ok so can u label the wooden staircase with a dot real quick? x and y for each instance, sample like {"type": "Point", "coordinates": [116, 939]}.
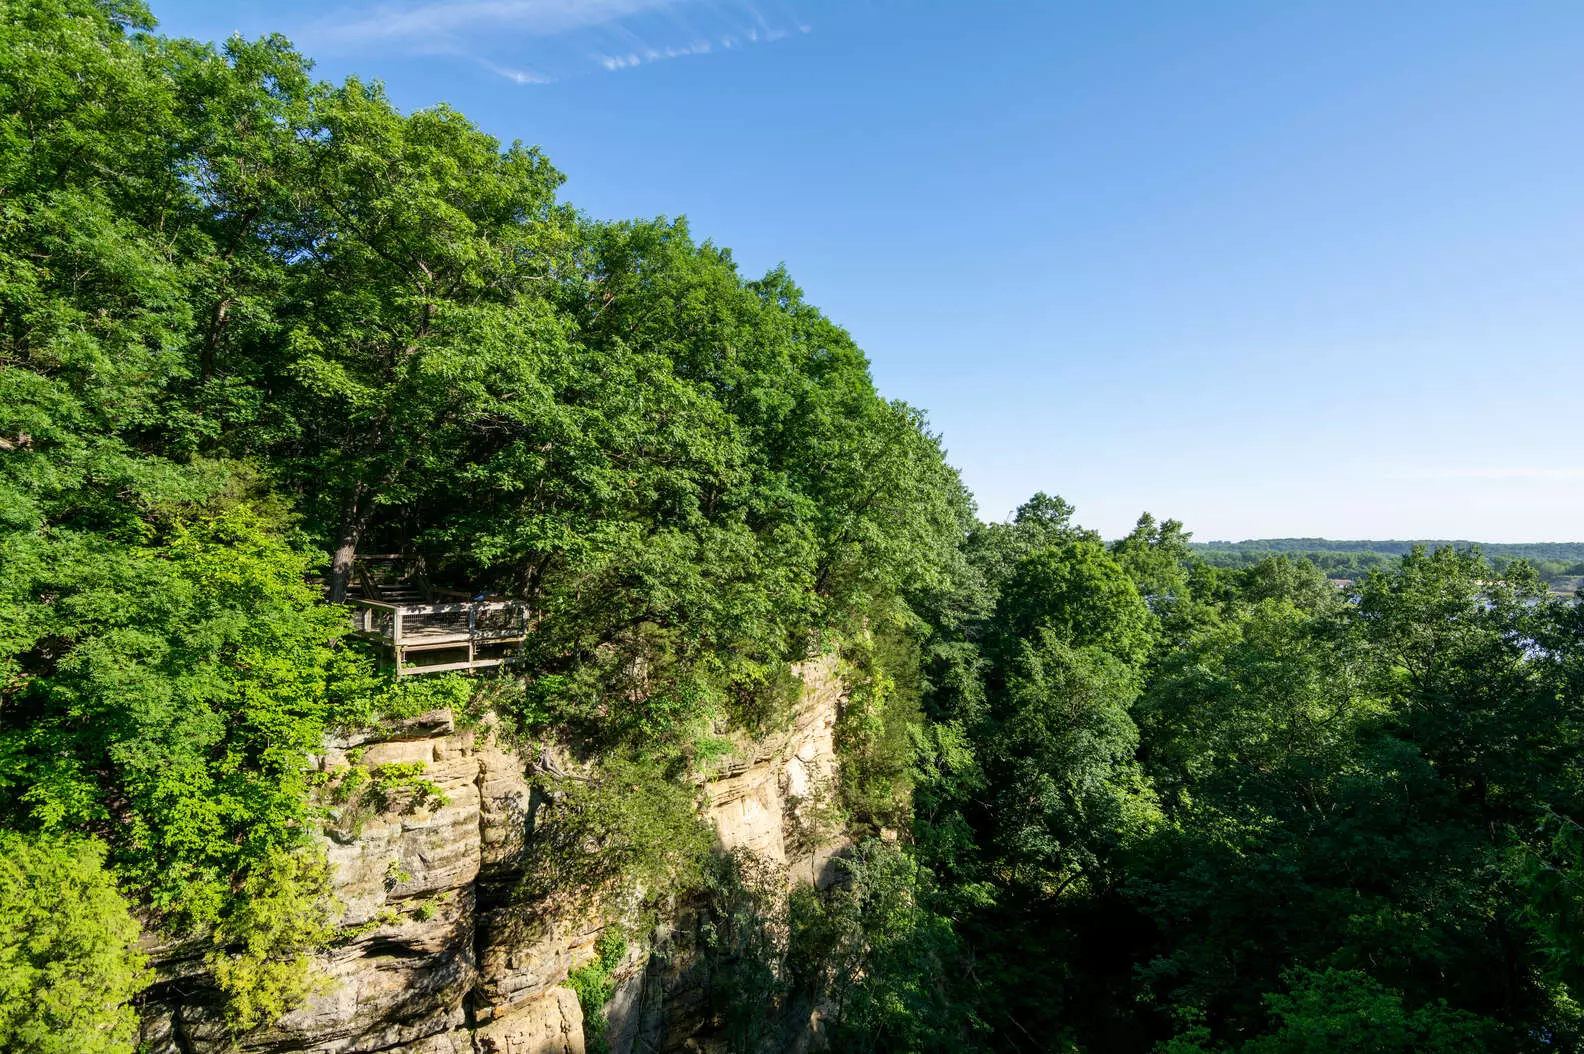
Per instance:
{"type": "Point", "coordinates": [389, 580]}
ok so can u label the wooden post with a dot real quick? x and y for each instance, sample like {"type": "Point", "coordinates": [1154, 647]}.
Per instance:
{"type": "Point", "coordinates": [396, 641]}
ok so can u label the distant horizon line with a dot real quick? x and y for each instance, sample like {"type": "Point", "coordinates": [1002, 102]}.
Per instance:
{"type": "Point", "coordinates": [1380, 541]}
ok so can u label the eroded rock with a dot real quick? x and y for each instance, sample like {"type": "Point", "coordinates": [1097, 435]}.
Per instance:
{"type": "Point", "coordinates": [551, 1024]}
{"type": "Point", "coordinates": [436, 958]}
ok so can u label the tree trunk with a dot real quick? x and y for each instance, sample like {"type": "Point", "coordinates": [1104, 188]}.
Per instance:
{"type": "Point", "coordinates": [354, 518]}
{"type": "Point", "coordinates": [206, 358]}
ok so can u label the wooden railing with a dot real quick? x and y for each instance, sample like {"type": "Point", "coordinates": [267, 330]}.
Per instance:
{"type": "Point", "coordinates": [464, 625]}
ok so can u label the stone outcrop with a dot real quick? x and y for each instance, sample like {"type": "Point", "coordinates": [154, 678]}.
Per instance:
{"type": "Point", "coordinates": [434, 960]}
{"type": "Point", "coordinates": [768, 801]}
{"type": "Point", "coordinates": [549, 1025]}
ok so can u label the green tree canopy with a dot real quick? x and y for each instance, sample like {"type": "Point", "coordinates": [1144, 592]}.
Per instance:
{"type": "Point", "coordinates": [1081, 595]}
{"type": "Point", "coordinates": [69, 961]}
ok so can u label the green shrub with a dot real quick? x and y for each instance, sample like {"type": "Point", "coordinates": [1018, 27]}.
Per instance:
{"type": "Point", "coordinates": [876, 948]}
{"type": "Point", "coordinates": [594, 984]}
{"type": "Point", "coordinates": [874, 732]}
{"type": "Point", "coordinates": [207, 670]}
{"type": "Point", "coordinates": [262, 959]}
{"type": "Point", "coordinates": [69, 964]}
{"type": "Point", "coordinates": [631, 826]}
{"type": "Point", "coordinates": [741, 937]}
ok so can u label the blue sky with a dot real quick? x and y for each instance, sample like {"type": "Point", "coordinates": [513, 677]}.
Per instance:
{"type": "Point", "coordinates": [1272, 269]}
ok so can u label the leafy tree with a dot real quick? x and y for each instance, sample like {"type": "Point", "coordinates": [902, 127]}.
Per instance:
{"type": "Point", "coordinates": [878, 953]}
{"type": "Point", "coordinates": [164, 697]}
{"type": "Point", "coordinates": [874, 731]}
{"type": "Point", "coordinates": [1041, 522]}
{"type": "Point", "coordinates": [206, 671]}
{"type": "Point", "coordinates": [1068, 792]}
{"type": "Point", "coordinates": [628, 828]}
{"type": "Point", "coordinates": [1082, 596]}
{"type": "Point", "coordinates": [1347, 1010]}
{"type": "Point", "coordinates": [1264, 696]}
{"type": "Point", "coordinates": [415, 320]}
{"type": "Point", "coordinates": [1550, 881]}
{"type": "Point", "coordinates": [1155, 555]}
{"type": "Point", "coordinates": [69, 961]}
{"type": "Point", "coordinates": [1283, 578]}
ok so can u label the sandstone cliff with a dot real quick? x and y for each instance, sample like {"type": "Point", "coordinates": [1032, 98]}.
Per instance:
{"type": "Point", "coordinates": [437, 962]}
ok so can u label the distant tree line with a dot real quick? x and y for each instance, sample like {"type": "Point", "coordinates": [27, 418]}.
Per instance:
{"type": "Point", "coordinates": [1553, 561]}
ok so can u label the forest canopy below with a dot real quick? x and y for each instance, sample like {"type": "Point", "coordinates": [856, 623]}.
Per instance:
{"type": "Point", "coordinates": [254, 324]}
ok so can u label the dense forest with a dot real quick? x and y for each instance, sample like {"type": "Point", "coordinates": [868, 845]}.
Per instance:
{"type": "Point", "coordinates": [1103, 795]}
{"type": "Point", "coordinates": [1560, 563]}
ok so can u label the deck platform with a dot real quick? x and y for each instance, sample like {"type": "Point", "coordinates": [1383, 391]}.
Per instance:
{"type": "Point", "coordinates": [424, 629]}
{"type": "Point", "coordinates": [436, 638]}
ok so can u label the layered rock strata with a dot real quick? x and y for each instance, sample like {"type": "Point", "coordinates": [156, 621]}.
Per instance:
{"type": "Point", "coordinates": [434, 959]}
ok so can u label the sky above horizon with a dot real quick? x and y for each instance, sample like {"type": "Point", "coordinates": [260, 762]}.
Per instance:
{"type": "Point", "coordinates": [1273, 270]}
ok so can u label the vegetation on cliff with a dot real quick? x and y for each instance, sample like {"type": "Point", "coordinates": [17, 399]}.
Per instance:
{"type": "Point", "coordinates": [252, 324]}
{"type": "Point", "coordinates": [1106, 796]}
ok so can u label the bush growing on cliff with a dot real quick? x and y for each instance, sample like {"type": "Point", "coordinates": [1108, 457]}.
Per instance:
{"type": "Point", "coordinates": [263, 942]}
{"type": "Point", "coordinates": [166, 696]}
{"type": "Point", "coordinates": [628, 828]}
{"type": "Point", "coordinates": [594, 984]}
{"type": "Point", "coordinates": [876, 723]}
{"type": "Point", "coordinates": [206, 671]}
{"type": "Point", "coordinates": [741, 939]}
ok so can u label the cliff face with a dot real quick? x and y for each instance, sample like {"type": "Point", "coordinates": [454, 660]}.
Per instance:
{"type": "Point", "coordinates": [435, 961]}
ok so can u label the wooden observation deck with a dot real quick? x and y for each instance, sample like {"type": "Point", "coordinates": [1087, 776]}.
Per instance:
{"type": "Point", "coordinates": [422, 628]}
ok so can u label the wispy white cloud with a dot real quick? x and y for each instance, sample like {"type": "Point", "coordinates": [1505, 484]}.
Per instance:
{"type": "Point", "coordinates": [638, 58]}
{"type": "Point", "coordinates": [532, 41]}
{"type": "Point", "coordinates": [1541, 474]}
{"type": "Point", "coordinates": [430, 21]}
{"type": "Point", "coordinates": [517, 76]}
{"type": "Point", "coordinates": [756, 35]}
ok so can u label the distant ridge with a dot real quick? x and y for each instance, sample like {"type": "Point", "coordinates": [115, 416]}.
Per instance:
{"type": "Point", "coordinates": [1395, 547]}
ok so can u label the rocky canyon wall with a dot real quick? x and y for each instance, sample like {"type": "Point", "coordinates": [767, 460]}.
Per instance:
{"type": "Point", "coordinates": [435, 959]}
